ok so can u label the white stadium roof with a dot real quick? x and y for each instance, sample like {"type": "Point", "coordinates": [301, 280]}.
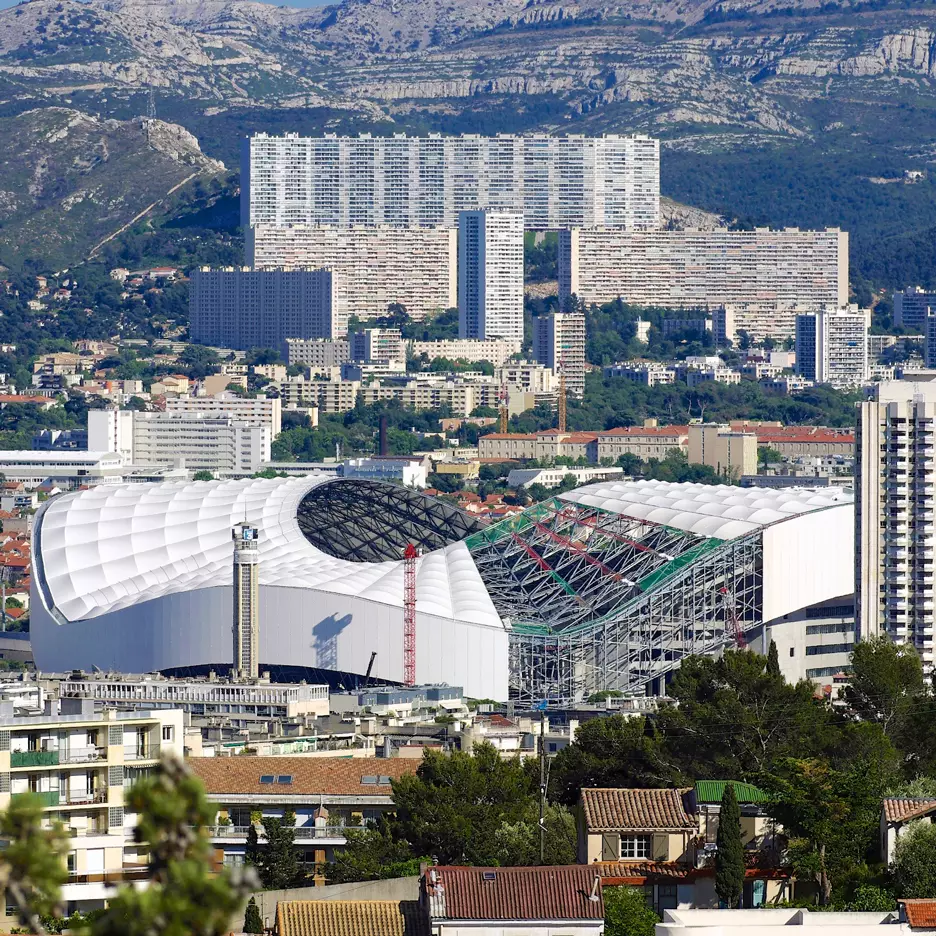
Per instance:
{"type": "Point", "coordinates": [721, 511]}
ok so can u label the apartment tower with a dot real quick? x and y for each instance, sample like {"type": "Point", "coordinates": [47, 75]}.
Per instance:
{"type": "Point", "coordinates": [246, 602]}
{"type": "Point", "coordinates": [832, 346]}
{"type": "Point", "coordinates": [490, 275]}
{"type": "Point", "coordinates": [895, 480]}
{"type": "Point", "coordinates": [559, 342]}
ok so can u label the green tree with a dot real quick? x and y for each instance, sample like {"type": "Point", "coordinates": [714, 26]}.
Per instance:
{"type": "Point", "coordinates": [455, 803]}
{"type": "Point", "coordinates": [773, 661]}
{"type": "Point", "coordinates": [184, 896]}
{"type": "Point", "coordinates": [252, 852]}
{"type": "Point", "coordinates": [32, 866]}
{"type": "Point", "coordinates": [914, 864]}
{"type": "Point", "coordinates": [729, 857]}
{"type": "Point", "coordinates": [627, 913]}
{"type": "Point", "coordinates": [518, 843]}
{"type": "Point", "coordinates": [372, 854]}
{"type": "Point", "coordinates": [253, 922]}
{"type": "Point", "coordinates": [768, 456]}
{"type": "Point", "coordinates": [869, 898]}
{"type": "Point", "coordinates": [279, 863]}
{"type": "Point", "coordinates": [203, 476]}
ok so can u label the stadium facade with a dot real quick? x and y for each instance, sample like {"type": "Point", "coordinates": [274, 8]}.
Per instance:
{"type": "Point", "coordinates": [608, 586]}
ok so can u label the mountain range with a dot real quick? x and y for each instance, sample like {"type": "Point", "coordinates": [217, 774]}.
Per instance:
{"type": "Point", "coordinates": [853, 80]}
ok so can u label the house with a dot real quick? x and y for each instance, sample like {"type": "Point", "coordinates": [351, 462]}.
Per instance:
{"type": "Point", "coordinates": [663, 841]}
{"type": "Point", "coordinates": [896, 815]}
{"type": "Point", "coordinates": [327, 794]}
{"type": "Point", "coordinates": [544, 901]}
{"type": "Point", "coordinates": [357, 917]}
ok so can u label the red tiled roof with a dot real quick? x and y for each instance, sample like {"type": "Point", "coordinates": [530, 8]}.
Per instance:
{"type": "Point", "coordinates": [657, 431]}
{"type": "Point", "coordinates": [636, 810]}
{"type": "Point", "coordinates": [921, 913]}
{"type": "Point", "coordinates": [639, 871]}
{"type": "Point", "coordinates": [329, 776]}
{"type": "Point", "coordinates": [549, 893]}
{"type": "Point", "coordinates": [350, 918]}
{"type": "Point", "coordinates": [23, 398]}
{"type": "Point", "coordinates": [902, 809]}
{"type": "Point", "coordinates": [530, 437]}
{"type": "Point", "coordinates": [15, 613]}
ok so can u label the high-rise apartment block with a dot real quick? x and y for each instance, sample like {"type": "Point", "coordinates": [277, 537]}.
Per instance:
{"type": "Point", "coordinates": [757, 320]}
{"type": "Point", "coordinates": [559, 344]}
{"type": "Point", "coordinates": [255, 411]}
{"type": "Point", "coordinates": [832, 346]}
{"type": "Point", "coordinates": [553, 181]}
{"type": "Point", "coordinates": [372, 266]}
{"type": "Point", "coordinates": [198, 440]}
{"type": "Point", "coordinates": [377, 344]}
{"type": "Point", "coordinates": [912, 306]}
{"type": "Point", "coordinates": [244, 308]}
{"type": "Point", "coordinates": [490, 275]}
{"type": "Point", "coordinates": [316, 352]}
{"type": "Point", "coordinates": [704, 269]}
{"type": "Point", "coordinates": [246, 625]}
{"type": "Point", "coordinates": [895, 531]}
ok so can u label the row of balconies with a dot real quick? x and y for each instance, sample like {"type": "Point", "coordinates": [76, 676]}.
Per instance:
{"type": "Point", "coordinates": [83, 755]}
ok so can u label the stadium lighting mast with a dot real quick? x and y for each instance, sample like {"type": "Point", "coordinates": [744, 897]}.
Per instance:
{"type": "Point", "coordinates": [246, 629]}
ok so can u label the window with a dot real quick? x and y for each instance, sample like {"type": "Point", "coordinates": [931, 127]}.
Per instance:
{"type": "Point", "coordinates": [167, 732]}
{"type": "Point", "coordinates": [829, 648]}
{"type": "Point", "coordinates": [635, 846]}
{"type": "Point", "coordinates": [267, 778]}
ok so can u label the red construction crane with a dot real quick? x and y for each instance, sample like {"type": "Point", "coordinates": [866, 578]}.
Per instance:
{"type": "Point", "coordinates": [731, 619]}
{"type": "Point", "coordinates": [410, 555]}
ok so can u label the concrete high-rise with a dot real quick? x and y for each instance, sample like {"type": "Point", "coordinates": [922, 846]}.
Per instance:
{"type": "Point", "coordinates": [246, 625]}
{"type": "Point", "coordinates": [559, 342]}
{"type": "Point", "coordinates": [244, 308]}
{"type": "Point", "coordinates": [912, 306]}
{"type": "Point", "coordinates": [895, 532]}
{"type": "Point", "coordinates": [832, 346]}
{"type": "Point", "coordinates": [553, 181]}
{"type": "Point", "coordinates": [490, 275]}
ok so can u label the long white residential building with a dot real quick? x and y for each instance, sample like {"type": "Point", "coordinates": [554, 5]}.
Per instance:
{"type": "Point", "coordinates": [242, 308]}
{"type": "Point", "coordinates": [895, 525]}
{"type": "Point", "coordinates": [65, 468]}
{"type": "Point", "coordinates": [757, 320]}
{"type": "Point", "coordinates": [553, 181]}
{"type": "Point", "coordinates": [496, 351]}
{"type": "Point", "coordinates": [559, 344]}
{"type": "Point", "coordinates": [255, 411]}
{"type": "Point", "coordinates": [198, 440]}
{"type": "Point", "coordinates": [832, 346]}
{"type": "Point", "coordinates": [490, 275]}
{"type": "Point", "coordinates": [373, 267]}
{"type": "Point", "coordinates": [704, 269]}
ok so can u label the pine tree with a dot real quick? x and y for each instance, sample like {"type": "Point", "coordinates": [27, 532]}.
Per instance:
{"type": "Point", "coordinates": [279, 864]}
{"type": "Point", "coordinates": [252, 853]}
{"type": "Point", "coordinates": [729, 857]}
{"type": "Point", "coordinates": [773, 661]}
{"type": "Point", "coordinates": [252, 920]}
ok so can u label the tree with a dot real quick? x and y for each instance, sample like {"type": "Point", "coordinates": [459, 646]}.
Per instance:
{"type": "Point", "coordinates": [203, 476]}
{"type": "Point", "coordinates": [279, 864]}
{"type": "Point", "coordinates": [33, 867]}
{"type": "Point", "coordinates": [768, 456]}
{"type": "Point", "coordinates": [729, 857]}
{"type": "Point", "coordinates": [773, 661]}
{"type": "Point", "coordinates": [252, 851]}
{"type": "Point", "coordinates": [253, 922]}
{"type": "Point", "coordinates": [914, 865]}
{"type": "Point", "coordinates": [518, 843]}
{"type": "Point", "coordinates": [372, 854]}
{"type": "Point", "coordinates": [184, 897]}
{"type": "Point", "coordinates": [627, 913]}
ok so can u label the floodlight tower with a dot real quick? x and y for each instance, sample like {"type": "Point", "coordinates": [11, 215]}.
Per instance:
{"type": "Point", "coordinates": [246, 629]}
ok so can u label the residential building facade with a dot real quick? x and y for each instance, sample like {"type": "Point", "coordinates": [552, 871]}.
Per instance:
{"type": "Point", "coordinates": [729, 452]}
{"type": "Point", "coordinates": [704, 269]}
{"type": "Point", "coordinates": [490, 275]}
{"type": "Point", "coordinates": [255, 411]}
{"type": "Point", "coordinates": [242, 308]}
{"type": "Point", "coordinates": [912, 306]}
{"type": "Point", "coordinates": [559, 344]}
{"type": "Point", "coordinates": [316, 352]}
{"type": "Point", "coordinates": [553, 181]}
{"type": "Point", "coordinates": [377, 344]}
{"type": "Point", "coordinates": [832, 346]}
{"type": "Point", "coordinates": [498, 352]}
{"type": "Point", "coordinates": [757, 320]}
{"type": "Point", "coordinates": [373, 267]}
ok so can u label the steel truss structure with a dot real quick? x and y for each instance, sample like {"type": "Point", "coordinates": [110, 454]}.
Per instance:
{"type": "Point", "coordinates": [370, 521]}
{"type": "Point", "coordinates": [597, 600]}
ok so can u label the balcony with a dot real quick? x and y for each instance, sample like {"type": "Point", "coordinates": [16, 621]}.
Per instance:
{"type": "Point", "coordinates": [302, 833]}
{"type": "Point", "coordinates": [46, 798]}
{"type": "Point", "coordinates": [82, 755]}
{"type": "Point", "coordinates": [118, 876]}
{"type": "Point", "coordinates": [34, 758]}
{"type": "Point", "coordinates": [141, 752]}
{"type": "Point", "coordinates": [95, 798]}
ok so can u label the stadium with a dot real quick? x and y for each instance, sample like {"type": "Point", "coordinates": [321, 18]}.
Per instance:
{"type": "Point", "coordinates": [607, 586]}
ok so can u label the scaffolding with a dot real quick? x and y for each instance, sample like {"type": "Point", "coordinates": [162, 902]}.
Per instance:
{"type": "Point", "coordinates": [598, 600]}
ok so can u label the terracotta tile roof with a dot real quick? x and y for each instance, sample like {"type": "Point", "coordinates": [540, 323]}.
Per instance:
{"type": "Point", "coordinates": [652, 431]}
{"type": "Point", "coordinates": [529, 437]}
{"type": "Point", "coordinates": [902, 809]}
{"type": "Point", "coordinates": [330, 776]}
{"type": "Point", "coordinates": [637, 810]}
{"type": "Point", "coordinates": [921, 914]}
{"type": "Point", "coordinates": [350, 918]}
{"type": "Point", "coordinates": [550, 893]}
{"type": "Point", "coordinates": [641, 870]}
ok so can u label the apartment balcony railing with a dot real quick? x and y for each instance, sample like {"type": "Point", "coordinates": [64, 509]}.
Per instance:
{"type": "Point", "coordinates": [47, 798]}
{"type": "Point", "coordinates": [96, 797]}
{"type": "Point", "coordinates": [87, 832]}
{"type": "Point", "coordinates": [144, 752]}
{"type": "Point", "coordinates": [301, 832]}
{"type": "Point", "coordinates": [34, 758]}
{"type": "Point", "coordinates": [82, 755]}
{"type": "Point", "coordinates": [118, 876]}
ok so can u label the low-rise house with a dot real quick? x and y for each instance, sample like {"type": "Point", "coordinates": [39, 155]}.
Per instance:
{"type": "Point", "coordinates": [896, 815]}
{"type": "Point", "coordinates": [546, 901]}
{"type": "Point", "coordinates": [664, 841]}
{"type": "Point", "coordinates": [351, 918]}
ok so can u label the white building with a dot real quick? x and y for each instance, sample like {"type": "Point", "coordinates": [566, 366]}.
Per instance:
{"type": "Point", "coordinates": [552, 477]}
{"type": "Point", "coordinates": [650, 374]}
{"type": "Point", "coordinates": [243, 308]}
{"type": "Point", "coordinates": [495, 351]}
{"type": "Point", "coordinates": [490, 275]}
{"type": "Point", "coordinates": [255, 411]}
{"type": "Point", "coordinates": [80, 763]}
{"type": "Point", "coordinates": [912, 306]}
{"type": "Point", "coordinates": [757, 320]}
{"type": "Point", "coordinates": [553, 181]}
{"type": "Point", "coordinates": [377, 344]}
{"type": "Point", "coordinates": [929, 346]}
{"type": "Point", "coordinates": [200, 441]}
{"type": "Point", "coordinates": [832, 346]}
{"type": "Point", "coordinates": [373, 267]}
{"type": "Point", "coordinates": [688, 922]}
{"type": "Point", "coordinates": [65, 468]}
{"type": "Point", "coordinates": [895, 480]}
{"type": "Point", "coordinates": [410, 472]}
{"type": "Point", "coordinates": [704, 269]}
{"type": "Point", "coordinates": [559, 344]}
